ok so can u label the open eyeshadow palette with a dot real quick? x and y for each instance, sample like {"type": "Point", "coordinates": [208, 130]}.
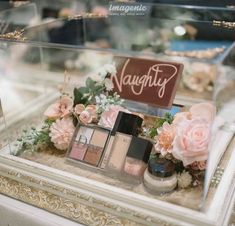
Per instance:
{"type": "Point", "coordinates": [89, 145]}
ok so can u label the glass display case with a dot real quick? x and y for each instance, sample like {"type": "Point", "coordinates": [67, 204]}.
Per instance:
{"type": "Point", "coordinates": [167, 31]}
{"type": "Point", "coordinates": [77, 104]}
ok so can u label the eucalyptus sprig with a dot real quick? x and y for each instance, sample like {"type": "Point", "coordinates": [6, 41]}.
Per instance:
{"type": "Point", "coordinates": [33, 139]}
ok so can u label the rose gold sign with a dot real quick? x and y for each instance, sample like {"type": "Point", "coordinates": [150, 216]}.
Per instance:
{"type": "Point", "coordinates": [147, 81]}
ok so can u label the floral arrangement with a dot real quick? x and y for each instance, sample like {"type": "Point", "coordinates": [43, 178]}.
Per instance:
{"type": "Point", "coordinates": [93, 103]}
{"type": "Point", "coordinates": [183, 139]}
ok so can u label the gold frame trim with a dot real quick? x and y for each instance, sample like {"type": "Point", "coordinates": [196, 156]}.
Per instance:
{"type": "Point", "coordinates": [76, 206]}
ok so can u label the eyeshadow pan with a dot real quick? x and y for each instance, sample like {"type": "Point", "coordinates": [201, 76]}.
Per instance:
{"type": "Point", "coordinates": [85, 131]}
{"type": "Point", "coordinates": [99, 138]}
{"type": "Point", "coordinates": [81, 142]}
{"type": "Point", "coordinates": [96, 147]}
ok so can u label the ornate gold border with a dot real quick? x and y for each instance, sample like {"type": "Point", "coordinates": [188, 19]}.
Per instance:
{"type": "Point", "coordinates": [61, 206]}
{"type": "Point", "coordinates": [78, 207]}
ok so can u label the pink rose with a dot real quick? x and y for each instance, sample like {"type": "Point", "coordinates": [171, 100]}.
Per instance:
{"type": "Point", "coordinates": [86, 114]}
{"type": "Point", "coordinates": [205, 111]}
{"type": "Point", "coordinates": [198, 165]}
{"type": "Point", "coordinates": [79, 108]}
{"type": "Point", "coordinates": [85, 117]}
{"type": "Point", "coordinates": [60, 109]}
{"type": "Point", "coordinates": [182, 116]}
{"type": "Point", "coordinates": [109, 116]}
{"type": "Point", "coordinates": [165, 138]}
{"type": "Point", "coordinates": [61, 133]}
{"type": "Point", "coordinates": [92, 110]}
{"type": "Point", "coordinates": [192, 140]}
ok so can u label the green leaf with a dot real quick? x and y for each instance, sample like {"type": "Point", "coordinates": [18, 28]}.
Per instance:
{"type": "Point", "coordinates": [77, 96]}
{"type": "Point", "coordinates": [152, 132]}
{"type": "Point", "coordinates": [83, 90]}
{"type": "Point", "coordinates": [49, 122]}
{"type": "Point", "coordinates": [98, 89]}
{"type": "Point", "coordinates": [90, 83]}
{"type": "Point", "coordinates": [169, 118]}
{"type": "Point", "coordinates": [80, 98]}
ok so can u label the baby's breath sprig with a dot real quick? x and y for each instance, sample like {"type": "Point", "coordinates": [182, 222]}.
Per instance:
{"type": "Point", "coordinates": [103, 102]}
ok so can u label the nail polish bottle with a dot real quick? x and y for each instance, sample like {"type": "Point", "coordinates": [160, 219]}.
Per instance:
{"type": "Point", "coordinates": [126, 126]}
{"type": "Point", "coordinates": [137, 157]}
{"type": "Point", "coordinates": [160, 176]}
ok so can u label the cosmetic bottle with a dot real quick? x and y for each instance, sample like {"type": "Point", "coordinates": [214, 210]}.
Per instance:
{"type": "Point", "coordinates": [160, 176]}
{"type": "Point", "coordinates": [137, 157]}
{"type": "Point", "coordinates": [126, 126]}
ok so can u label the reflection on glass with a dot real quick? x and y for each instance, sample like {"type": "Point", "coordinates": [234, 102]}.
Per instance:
{"type": "Point", "coordinates": [17, 18]}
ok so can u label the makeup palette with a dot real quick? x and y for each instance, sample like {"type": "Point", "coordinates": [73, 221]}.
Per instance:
{"type": "Point", "coordinates": [104, 149]}
{"type": "Point", "coordinates": [89, 144]}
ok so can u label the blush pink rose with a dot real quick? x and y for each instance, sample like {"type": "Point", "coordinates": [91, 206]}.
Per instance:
{"type": "Point", "coordinates": [192, 140]}
{"type": "Point", "coordinates": [182, 116]}
{"type": "Point", "coordinates": [85, 117]}
{"type": "Point", "coordinates": [61, 132]}
{"type": "Point", "coordinates": [79, 108]}
{"type": "Point", "coordinates": [109, 116]}
{"type": "Point", "coordinates": [86, 114]}
{"type": "Point", "coordinates": [92, 110]}
{"type": "Point", "coordinates": [205, 111]}
{"type": "Point", "coordinates": [61, 108]}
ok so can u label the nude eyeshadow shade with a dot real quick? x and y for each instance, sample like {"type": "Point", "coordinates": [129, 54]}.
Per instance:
{"type": "Point", "coordinates": [96, 146]}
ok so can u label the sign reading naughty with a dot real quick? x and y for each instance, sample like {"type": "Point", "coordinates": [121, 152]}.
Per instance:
{"type": "Point", "coordinates": [148, 81]}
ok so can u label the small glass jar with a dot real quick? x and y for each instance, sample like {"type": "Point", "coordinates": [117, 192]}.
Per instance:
{"type": "Point", "coordinates": [160, 176]}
